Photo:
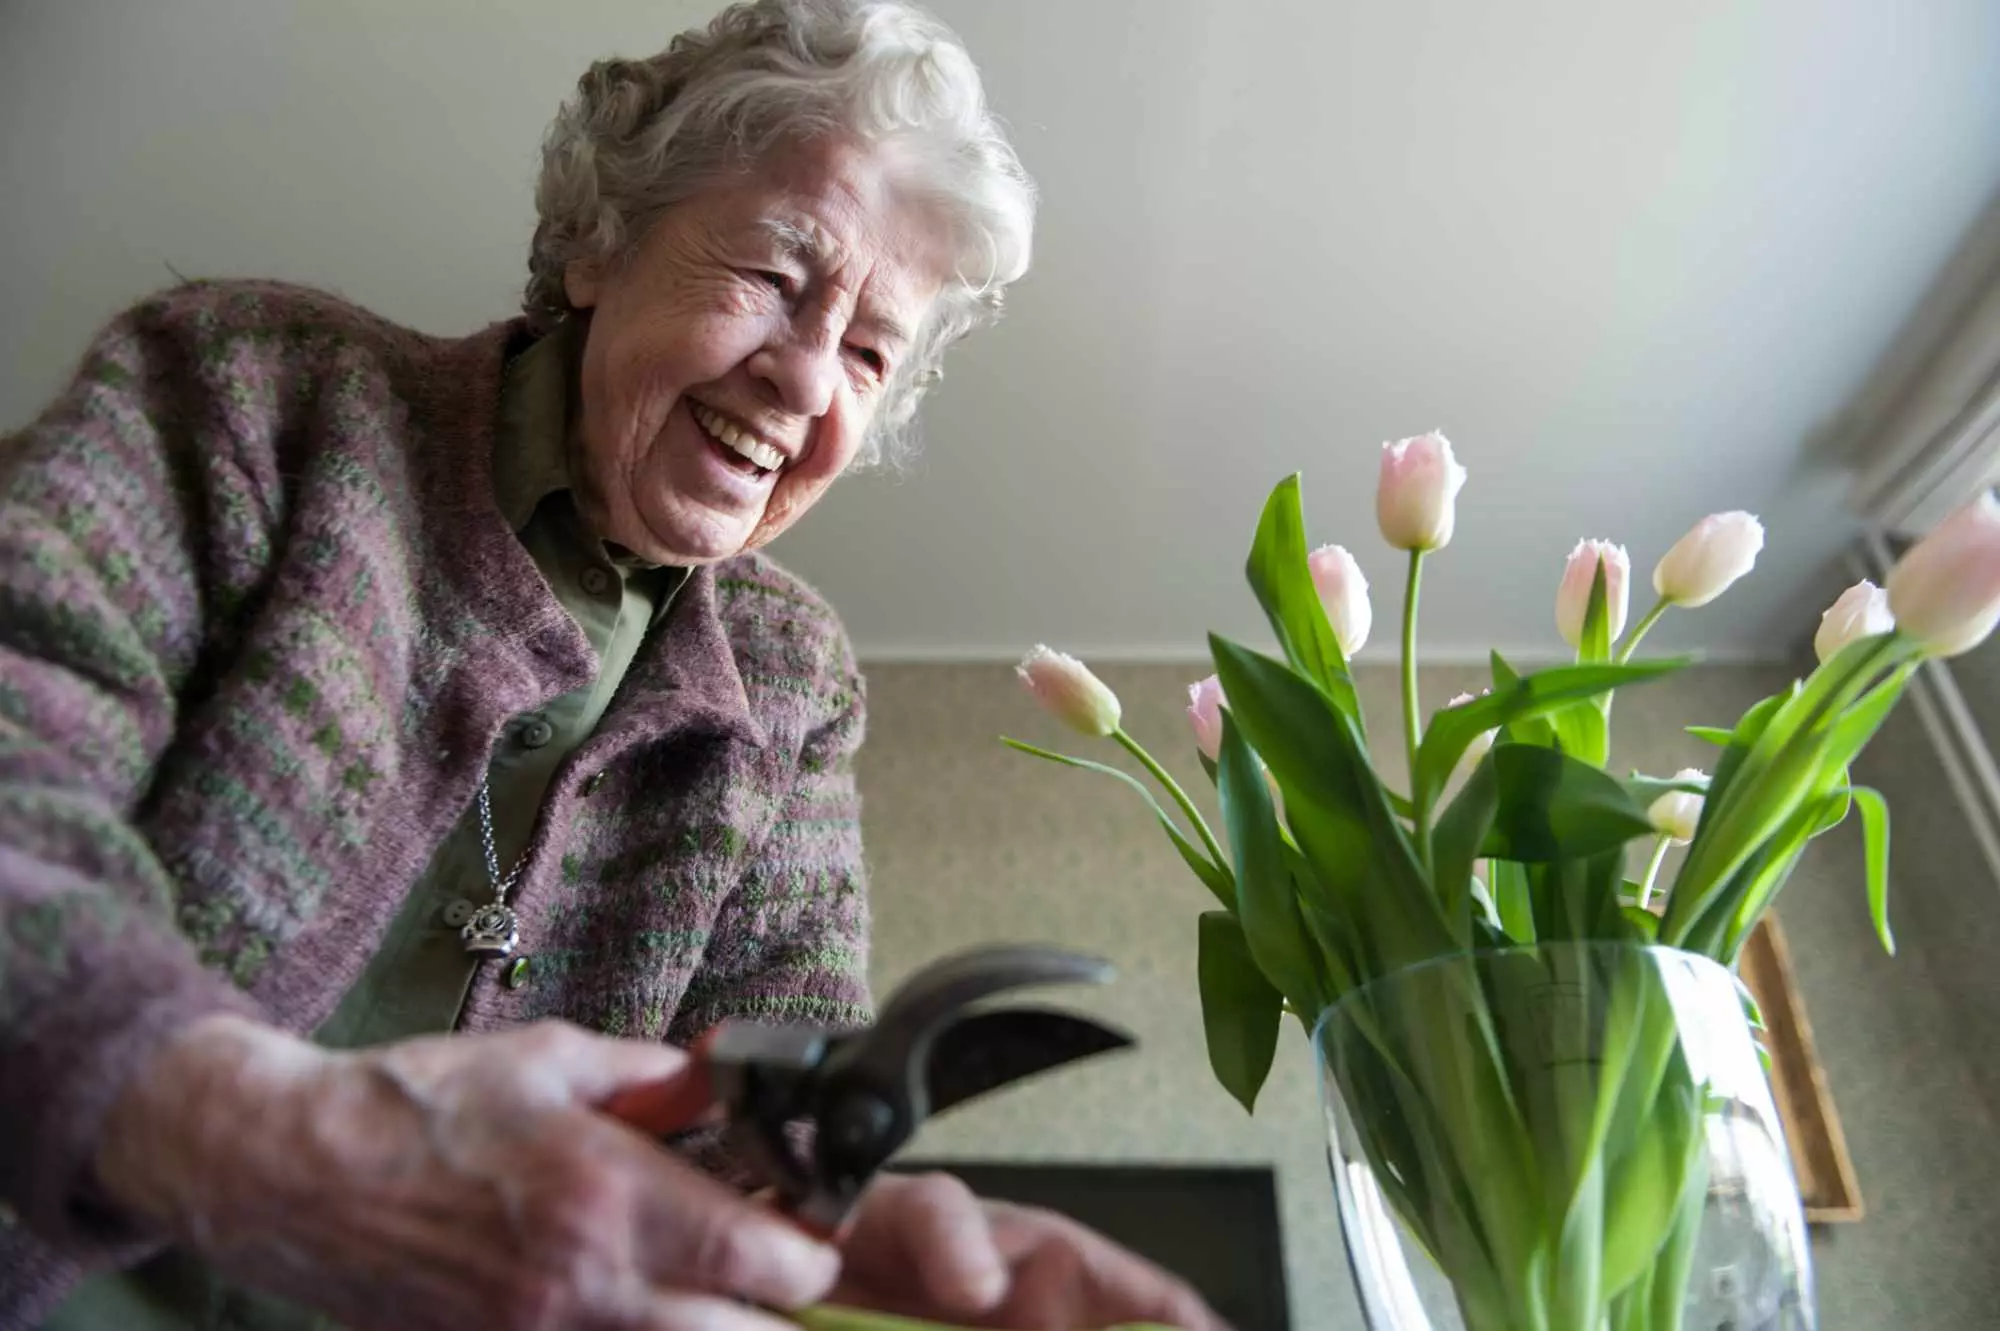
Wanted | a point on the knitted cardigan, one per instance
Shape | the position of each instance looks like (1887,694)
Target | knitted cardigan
(261,623)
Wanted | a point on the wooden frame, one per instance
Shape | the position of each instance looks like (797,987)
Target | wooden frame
(1825,1172)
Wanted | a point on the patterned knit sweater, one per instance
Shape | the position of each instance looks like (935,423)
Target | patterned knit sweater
(261,623)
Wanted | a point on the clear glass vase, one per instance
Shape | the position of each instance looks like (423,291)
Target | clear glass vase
(1568,1137)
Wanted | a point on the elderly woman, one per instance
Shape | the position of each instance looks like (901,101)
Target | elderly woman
(403,747)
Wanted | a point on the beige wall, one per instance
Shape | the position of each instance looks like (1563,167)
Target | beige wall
(972,843)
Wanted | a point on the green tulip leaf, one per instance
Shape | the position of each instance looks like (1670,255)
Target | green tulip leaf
(1583,731)
(1461,831)
(1596,643)
(1284,587)
(1645,789)
(1551,807)
(1645,924)
(1875,846)
(1452,729)
(1240,1010)
(1753,1011)
(1644,1195)
(1712,734)
(1215,877)
(1577,1274)
(1527,729)
(1266,903)
(1507,883)
(1771,793)
(1335,806)
(1851,733)
(1335,939)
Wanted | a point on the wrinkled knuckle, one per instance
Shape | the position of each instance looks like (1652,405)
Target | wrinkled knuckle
(584,1207)
(573,1231)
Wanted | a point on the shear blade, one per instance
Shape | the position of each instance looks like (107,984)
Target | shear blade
(985,1051)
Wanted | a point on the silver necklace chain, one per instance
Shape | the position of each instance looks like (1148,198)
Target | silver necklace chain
(501,886)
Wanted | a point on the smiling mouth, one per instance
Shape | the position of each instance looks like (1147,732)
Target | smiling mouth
(750,454)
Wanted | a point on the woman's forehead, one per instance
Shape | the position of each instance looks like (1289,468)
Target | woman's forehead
(843,216)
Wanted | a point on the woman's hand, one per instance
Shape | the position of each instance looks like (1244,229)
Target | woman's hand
(925,1246)
(440,1184)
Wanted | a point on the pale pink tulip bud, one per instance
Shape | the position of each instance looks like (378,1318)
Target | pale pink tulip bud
(1205,716)
(1344,594)
(1573,596)
(1861,612)
(1721,548)
(1481,742)
(1677,813)
(1946,591)
(1072,694)
(1416,498)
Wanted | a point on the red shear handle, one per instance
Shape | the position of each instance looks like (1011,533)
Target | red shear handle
(688,1101)
(676,1105)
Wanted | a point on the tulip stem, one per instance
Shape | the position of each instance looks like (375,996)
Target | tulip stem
(1413,734)
(1180,797)
(1653,871)
(1660,607)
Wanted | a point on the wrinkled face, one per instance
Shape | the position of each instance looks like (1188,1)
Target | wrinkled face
(736,358)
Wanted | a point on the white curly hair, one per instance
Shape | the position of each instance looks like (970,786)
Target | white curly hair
(639,136)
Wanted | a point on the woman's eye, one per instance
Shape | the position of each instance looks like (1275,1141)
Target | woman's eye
(871,358)
(778,282)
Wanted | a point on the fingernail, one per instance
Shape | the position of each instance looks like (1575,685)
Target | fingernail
(987,1284)
(814,1265)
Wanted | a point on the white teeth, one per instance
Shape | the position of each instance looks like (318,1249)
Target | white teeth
(740,441)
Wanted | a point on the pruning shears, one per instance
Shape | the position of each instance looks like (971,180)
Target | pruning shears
(863,1094)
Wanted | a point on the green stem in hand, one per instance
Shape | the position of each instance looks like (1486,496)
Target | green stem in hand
(1653,872)
(1660,607)
(1173,788)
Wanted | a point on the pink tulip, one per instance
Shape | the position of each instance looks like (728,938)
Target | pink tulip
(1861,612)
(1344,594)
(1579,575)
(1677,813)
(1205,716)
(1072,694)
(1721,548)
(1945,592)
(1416,497)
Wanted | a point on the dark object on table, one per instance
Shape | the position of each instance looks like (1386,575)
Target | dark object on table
(865,1093)
(1215,1227)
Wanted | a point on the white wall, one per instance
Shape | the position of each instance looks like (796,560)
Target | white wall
(1633,257)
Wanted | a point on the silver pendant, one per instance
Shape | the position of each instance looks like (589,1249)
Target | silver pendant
(493,931)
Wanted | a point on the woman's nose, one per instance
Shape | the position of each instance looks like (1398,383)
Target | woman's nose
(803,372)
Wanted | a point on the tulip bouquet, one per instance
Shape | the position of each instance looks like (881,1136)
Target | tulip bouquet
(1554,1193)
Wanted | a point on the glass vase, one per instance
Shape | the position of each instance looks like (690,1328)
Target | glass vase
(1567,1137)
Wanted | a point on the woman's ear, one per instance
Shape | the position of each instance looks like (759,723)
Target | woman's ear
(581,281)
